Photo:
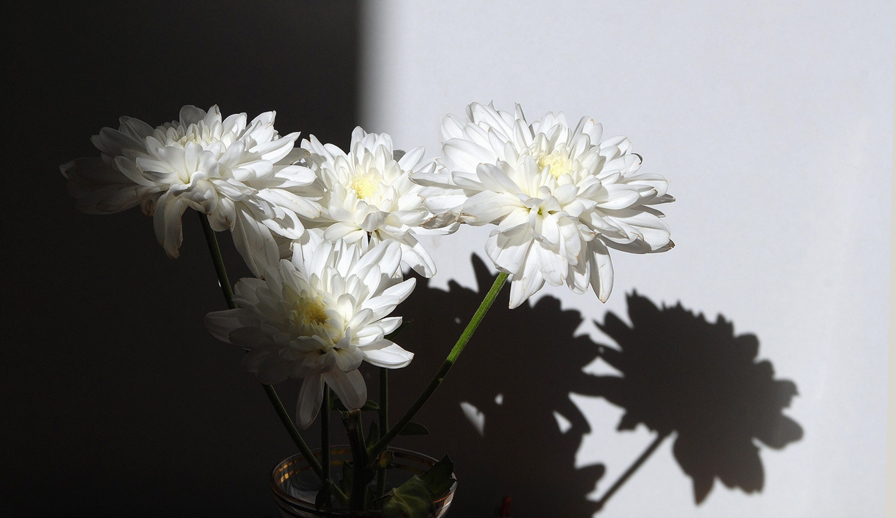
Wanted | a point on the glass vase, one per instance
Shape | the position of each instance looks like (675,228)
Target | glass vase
(295,485)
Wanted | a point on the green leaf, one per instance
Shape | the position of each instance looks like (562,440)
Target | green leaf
(413,428)
(323,496)
(373,435)
(347,477)
(413,499)
(439,478)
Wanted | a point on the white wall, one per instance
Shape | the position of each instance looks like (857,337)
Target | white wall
(773,123)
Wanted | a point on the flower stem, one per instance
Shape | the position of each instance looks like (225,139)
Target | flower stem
(325,433)
(293,432)
(360,468)
(631,470)
(218,260)
(384,425)
(446,366)
(384,400)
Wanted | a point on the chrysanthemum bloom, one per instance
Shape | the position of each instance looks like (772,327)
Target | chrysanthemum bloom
(560,197)
(368,195)
(225,168)
(318,317)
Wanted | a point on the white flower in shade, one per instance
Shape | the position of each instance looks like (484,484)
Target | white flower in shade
(369,197)
(318,317)
(560,197)
(225,168)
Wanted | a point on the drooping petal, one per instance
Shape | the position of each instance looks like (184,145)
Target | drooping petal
(254,242)
(222,323)
(310,397)
(525,284)
(601,270)
(349,387)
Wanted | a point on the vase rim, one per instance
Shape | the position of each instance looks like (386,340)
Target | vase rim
(329,512)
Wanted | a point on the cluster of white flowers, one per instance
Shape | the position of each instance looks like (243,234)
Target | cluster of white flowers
(327,231)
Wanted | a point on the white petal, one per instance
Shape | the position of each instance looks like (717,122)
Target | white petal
(418,259)
(310,397)
(509,249)
(553,267)
(465,155)
(488,207)
(527,283)
(222,323)
(387,354)
(349,387)
(601,270)
(254,242)
(167,223)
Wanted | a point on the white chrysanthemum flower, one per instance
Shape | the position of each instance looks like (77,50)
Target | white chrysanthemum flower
(559,197)
(225,168)
(368,195)
(318,317)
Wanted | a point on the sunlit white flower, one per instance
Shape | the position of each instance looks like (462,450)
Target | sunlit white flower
(225,168)
(318,317)
(559,197)
(369,197)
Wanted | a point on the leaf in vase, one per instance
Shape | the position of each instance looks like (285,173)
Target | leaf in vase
(439,477)
(413,499)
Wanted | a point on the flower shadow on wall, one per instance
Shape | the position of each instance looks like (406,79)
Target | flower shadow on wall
(683,374)
(496,412)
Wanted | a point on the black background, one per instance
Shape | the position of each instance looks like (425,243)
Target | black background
(116,401)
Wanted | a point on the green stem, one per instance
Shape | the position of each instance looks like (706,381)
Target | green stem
(293,432)
(446,366)
(218,260)
(384,400)
(384,425)
(325,433)
(361,475)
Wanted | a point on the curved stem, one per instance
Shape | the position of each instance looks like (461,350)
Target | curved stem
(446,366)
(221,271)
(631,470)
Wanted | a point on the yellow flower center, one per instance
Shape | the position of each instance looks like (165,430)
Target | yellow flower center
(365,185)
(196,138)
(310,312)
(558,161)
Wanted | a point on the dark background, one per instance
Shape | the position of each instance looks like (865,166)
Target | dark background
(116,400)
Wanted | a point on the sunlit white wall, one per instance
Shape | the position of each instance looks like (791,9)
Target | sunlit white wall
(773,123)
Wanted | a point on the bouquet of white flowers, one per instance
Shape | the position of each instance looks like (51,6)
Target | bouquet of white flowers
(328,235)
